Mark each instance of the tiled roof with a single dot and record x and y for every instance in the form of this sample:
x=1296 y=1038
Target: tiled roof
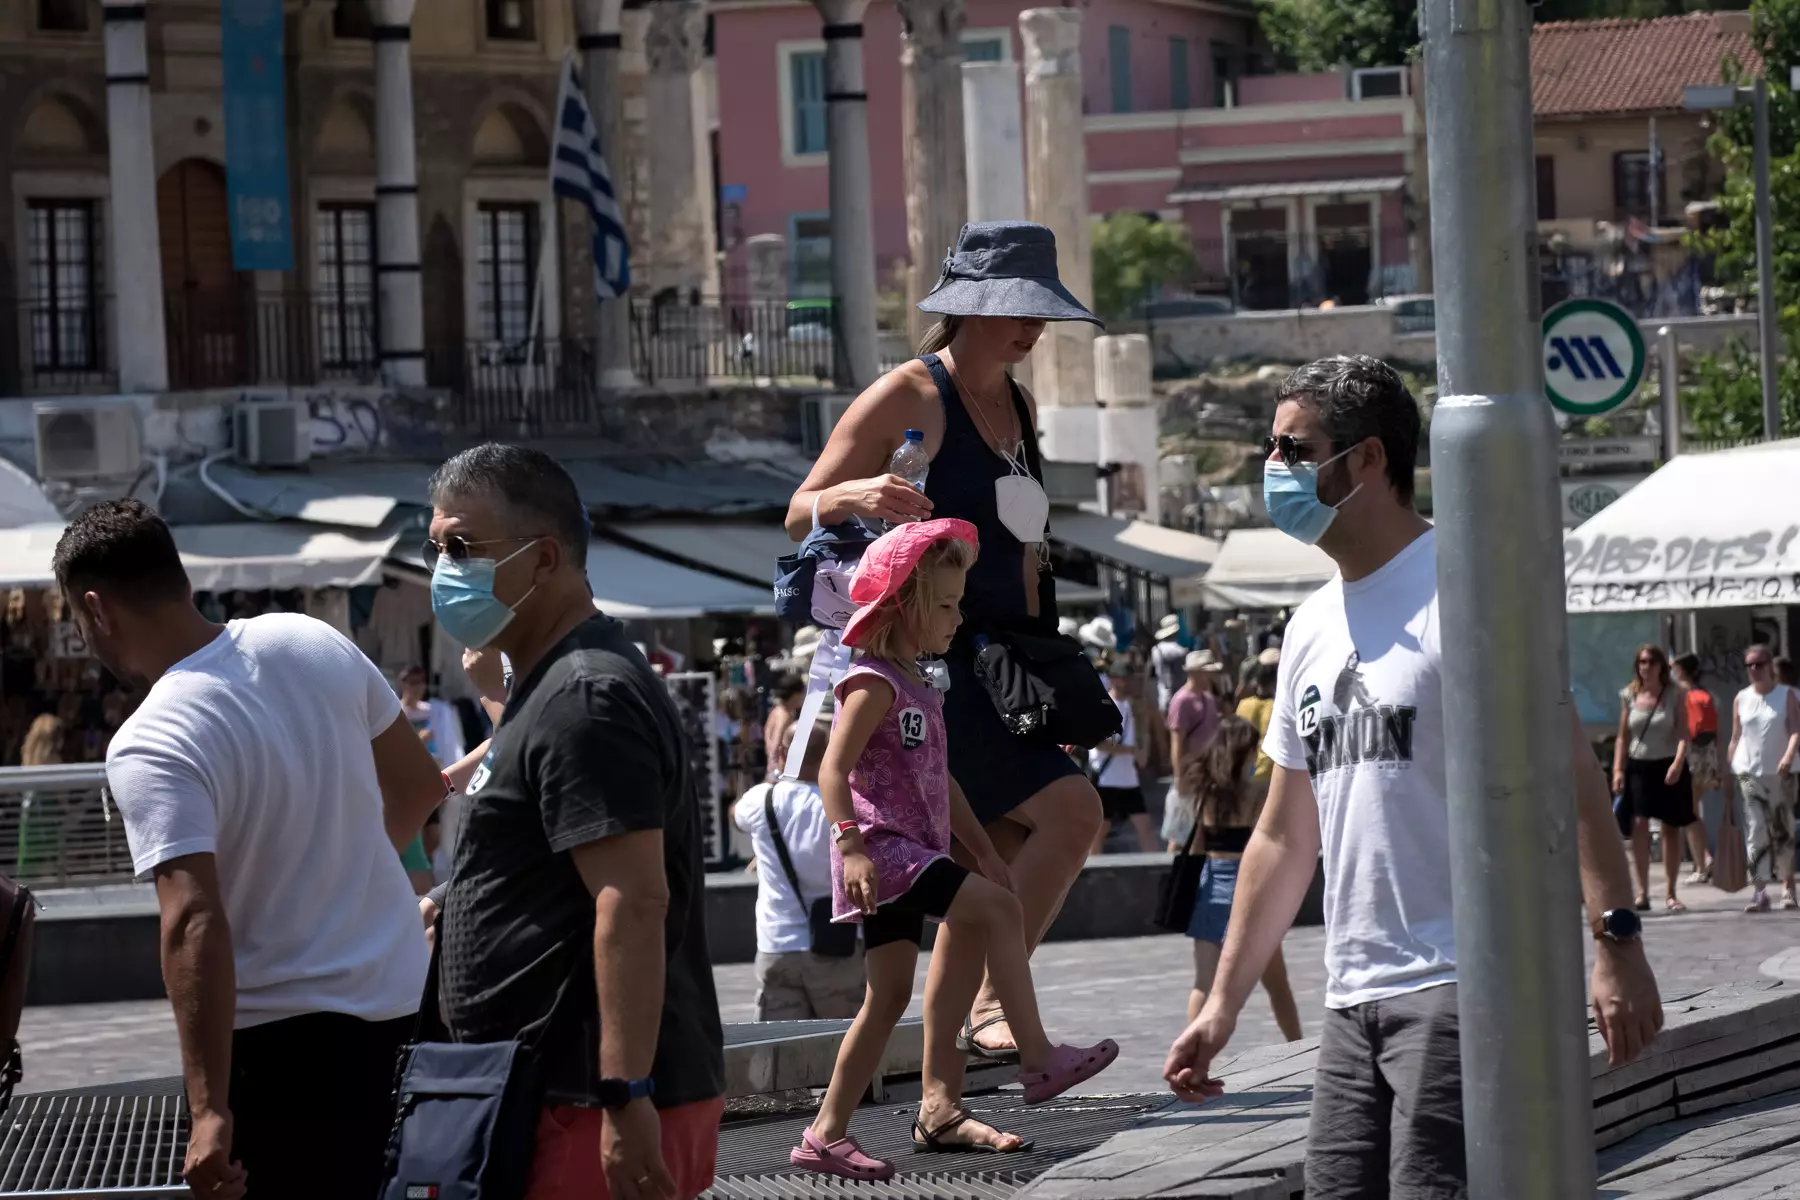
x=1580 y=68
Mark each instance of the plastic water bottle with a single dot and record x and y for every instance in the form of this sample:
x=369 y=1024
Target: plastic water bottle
x=910 y=462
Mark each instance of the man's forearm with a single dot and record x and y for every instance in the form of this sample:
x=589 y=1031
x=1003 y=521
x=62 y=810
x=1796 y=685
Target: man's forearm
x=1605 y=877
x=202 y=983
x=628 y=973
x=1272 y=882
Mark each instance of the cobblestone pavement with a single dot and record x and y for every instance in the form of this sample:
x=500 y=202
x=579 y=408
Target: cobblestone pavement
x=1132 y=990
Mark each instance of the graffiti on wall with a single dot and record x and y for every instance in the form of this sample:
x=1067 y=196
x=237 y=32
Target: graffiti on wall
x=346 y=420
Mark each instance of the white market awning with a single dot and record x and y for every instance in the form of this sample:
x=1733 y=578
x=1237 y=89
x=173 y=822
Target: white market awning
x=1278 y=191
x=221 y=558
x=1163 y=553
x=747 y=549
x=1717 y=530
x=1263 y=569
x=634 y=586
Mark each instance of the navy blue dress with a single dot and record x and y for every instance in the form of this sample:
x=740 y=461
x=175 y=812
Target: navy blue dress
x=997 y=769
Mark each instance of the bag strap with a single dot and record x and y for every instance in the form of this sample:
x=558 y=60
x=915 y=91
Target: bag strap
x=1654 y=709
x=781 y=850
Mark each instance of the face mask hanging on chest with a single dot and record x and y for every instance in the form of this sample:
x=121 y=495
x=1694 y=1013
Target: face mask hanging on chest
x=1023 y=507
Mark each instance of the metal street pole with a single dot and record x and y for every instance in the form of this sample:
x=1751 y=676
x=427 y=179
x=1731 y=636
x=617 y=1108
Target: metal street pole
x=1767 y=335
x=1527 y=1106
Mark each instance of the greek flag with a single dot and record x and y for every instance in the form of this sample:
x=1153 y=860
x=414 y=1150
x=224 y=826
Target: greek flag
x=578 y=171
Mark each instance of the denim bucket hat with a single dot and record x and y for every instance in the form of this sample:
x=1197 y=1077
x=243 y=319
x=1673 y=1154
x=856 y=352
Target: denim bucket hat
x=1004 y=269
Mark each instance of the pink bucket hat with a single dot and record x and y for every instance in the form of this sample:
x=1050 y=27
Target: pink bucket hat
x=887 y=563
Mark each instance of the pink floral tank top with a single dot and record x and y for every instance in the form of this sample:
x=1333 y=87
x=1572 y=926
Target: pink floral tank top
x=901 y=790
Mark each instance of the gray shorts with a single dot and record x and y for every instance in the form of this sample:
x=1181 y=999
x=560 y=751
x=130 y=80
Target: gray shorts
x=1387 y=1102
x=803 y=986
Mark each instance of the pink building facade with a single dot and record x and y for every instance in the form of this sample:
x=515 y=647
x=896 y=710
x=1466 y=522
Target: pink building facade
x=1295 y=189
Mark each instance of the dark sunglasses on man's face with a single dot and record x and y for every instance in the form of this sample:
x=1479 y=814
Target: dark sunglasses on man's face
x=1292 y=450
x=1757 y=664
x=457 y=548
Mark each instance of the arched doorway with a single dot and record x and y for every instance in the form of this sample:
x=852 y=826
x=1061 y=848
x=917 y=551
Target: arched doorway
x=206 y=314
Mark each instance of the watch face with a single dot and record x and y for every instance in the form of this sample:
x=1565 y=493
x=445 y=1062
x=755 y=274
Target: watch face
x=1623 y=923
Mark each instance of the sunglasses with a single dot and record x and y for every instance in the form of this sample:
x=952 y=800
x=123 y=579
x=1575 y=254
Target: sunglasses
x=457 y=548
x=1647 y=662
x=1291 y=449
x=1756 y=664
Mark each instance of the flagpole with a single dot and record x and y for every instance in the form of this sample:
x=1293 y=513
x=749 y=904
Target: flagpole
x=545 y=239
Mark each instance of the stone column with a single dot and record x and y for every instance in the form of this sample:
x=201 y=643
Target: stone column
x=137 y=246
x=1062 y=366
x=931 y=143
x=402 y=300
x=852 y=211
x=994 y=150
x=600 y=42
x=682 y=238
x=993 y=141
x=1128 y=424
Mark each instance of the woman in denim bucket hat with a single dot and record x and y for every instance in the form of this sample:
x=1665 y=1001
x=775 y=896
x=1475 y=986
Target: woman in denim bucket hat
x=998 y=290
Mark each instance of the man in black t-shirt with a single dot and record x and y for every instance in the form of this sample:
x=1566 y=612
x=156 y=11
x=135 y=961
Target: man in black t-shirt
x=579 y=859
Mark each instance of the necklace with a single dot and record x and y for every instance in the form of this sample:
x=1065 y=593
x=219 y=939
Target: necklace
x=1008 y=447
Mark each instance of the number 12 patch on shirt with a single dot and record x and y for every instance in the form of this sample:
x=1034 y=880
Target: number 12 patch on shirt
x=912 y=728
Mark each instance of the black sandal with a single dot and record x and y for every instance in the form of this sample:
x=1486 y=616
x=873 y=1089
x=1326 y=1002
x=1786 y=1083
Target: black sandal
x=929 y=1141
x=965 y=1041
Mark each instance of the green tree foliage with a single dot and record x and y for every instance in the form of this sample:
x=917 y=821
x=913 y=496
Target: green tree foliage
x=1322 y=35
x=1133 y=256
x=1725 y=397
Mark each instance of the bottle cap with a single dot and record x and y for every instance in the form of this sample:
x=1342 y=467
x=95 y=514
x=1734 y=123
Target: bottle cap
x=915 y=435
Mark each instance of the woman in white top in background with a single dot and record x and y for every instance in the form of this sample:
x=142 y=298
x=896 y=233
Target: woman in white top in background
x=1765 y=733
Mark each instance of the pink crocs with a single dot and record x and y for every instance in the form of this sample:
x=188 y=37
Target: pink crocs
x=842 y=1157
x=1069 y=1065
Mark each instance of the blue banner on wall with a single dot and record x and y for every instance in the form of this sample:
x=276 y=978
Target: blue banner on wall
x=256 y=164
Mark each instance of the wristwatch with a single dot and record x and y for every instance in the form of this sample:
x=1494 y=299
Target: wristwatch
x=617 y=1093
x=1618 y=925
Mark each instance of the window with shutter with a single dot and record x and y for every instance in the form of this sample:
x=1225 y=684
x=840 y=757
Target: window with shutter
x=806 y=81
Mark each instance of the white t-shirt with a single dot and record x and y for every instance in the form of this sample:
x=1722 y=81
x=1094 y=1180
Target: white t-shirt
x=1118 y=770
x=1764 y=735
x=1359 y=707
x=781 y=919
x=256 y=749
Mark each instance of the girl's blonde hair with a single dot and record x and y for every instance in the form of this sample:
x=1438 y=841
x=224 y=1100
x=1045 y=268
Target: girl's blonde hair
x=43 y=742
x=939 y=335
x=908 y=609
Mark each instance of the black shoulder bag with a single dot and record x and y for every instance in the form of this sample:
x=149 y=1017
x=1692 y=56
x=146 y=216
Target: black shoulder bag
x=829 y=939
x=1179 y=888
x=466 y=1113
x=1041 y=681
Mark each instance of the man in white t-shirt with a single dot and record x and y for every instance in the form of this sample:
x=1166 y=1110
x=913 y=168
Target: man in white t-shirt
x=792 y=982
x=266 y=783
x=1114 y=764
x=1357 y=739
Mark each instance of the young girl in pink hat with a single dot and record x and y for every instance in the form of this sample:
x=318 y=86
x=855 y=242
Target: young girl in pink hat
x=893 y=810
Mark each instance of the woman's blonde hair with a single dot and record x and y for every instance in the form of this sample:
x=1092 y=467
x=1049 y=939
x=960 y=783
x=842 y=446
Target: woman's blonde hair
x=43 y=742
x=939 y=335
x=908 y=609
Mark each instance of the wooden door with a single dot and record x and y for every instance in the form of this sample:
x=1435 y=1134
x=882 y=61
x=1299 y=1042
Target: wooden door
x=205 y=309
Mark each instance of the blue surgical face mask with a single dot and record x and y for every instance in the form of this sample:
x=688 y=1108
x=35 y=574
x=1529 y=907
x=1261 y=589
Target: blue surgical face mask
x=1291 y=494
x=462 y=598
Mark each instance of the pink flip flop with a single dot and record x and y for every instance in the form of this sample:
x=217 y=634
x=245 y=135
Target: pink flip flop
x=1069 y=1065
x=842 y=1157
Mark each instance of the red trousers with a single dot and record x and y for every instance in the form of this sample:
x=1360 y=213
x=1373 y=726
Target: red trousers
x=567 y=1165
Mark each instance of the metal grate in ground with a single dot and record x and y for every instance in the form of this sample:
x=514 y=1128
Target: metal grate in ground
x=753 y=1154
x=128 y=1147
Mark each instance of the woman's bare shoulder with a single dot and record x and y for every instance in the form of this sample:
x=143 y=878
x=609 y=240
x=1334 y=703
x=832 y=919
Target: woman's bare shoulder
x=897 y=394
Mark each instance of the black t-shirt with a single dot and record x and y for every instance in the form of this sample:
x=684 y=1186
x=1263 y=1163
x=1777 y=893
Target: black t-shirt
x=590 y=747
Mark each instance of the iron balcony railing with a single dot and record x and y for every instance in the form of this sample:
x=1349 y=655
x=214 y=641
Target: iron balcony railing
x=59 y=827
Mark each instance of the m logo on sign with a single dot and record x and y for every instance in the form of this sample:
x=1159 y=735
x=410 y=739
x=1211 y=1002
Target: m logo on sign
x=1593 y=356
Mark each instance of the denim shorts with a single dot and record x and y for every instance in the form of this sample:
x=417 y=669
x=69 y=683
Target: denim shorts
x=1212 y=900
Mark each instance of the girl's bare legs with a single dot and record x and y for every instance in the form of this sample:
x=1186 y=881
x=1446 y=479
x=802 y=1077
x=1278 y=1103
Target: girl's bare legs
x=1640 y=856
x=1206 y=961
x=1671 y=856
x=890 y=970
x=1696 y=839
x=1281 y=997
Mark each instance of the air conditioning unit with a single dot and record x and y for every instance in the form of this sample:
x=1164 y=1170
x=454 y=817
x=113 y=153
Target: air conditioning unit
x=87 y=439
x=819 y=415
x=271 y=433
x=1375 y=83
